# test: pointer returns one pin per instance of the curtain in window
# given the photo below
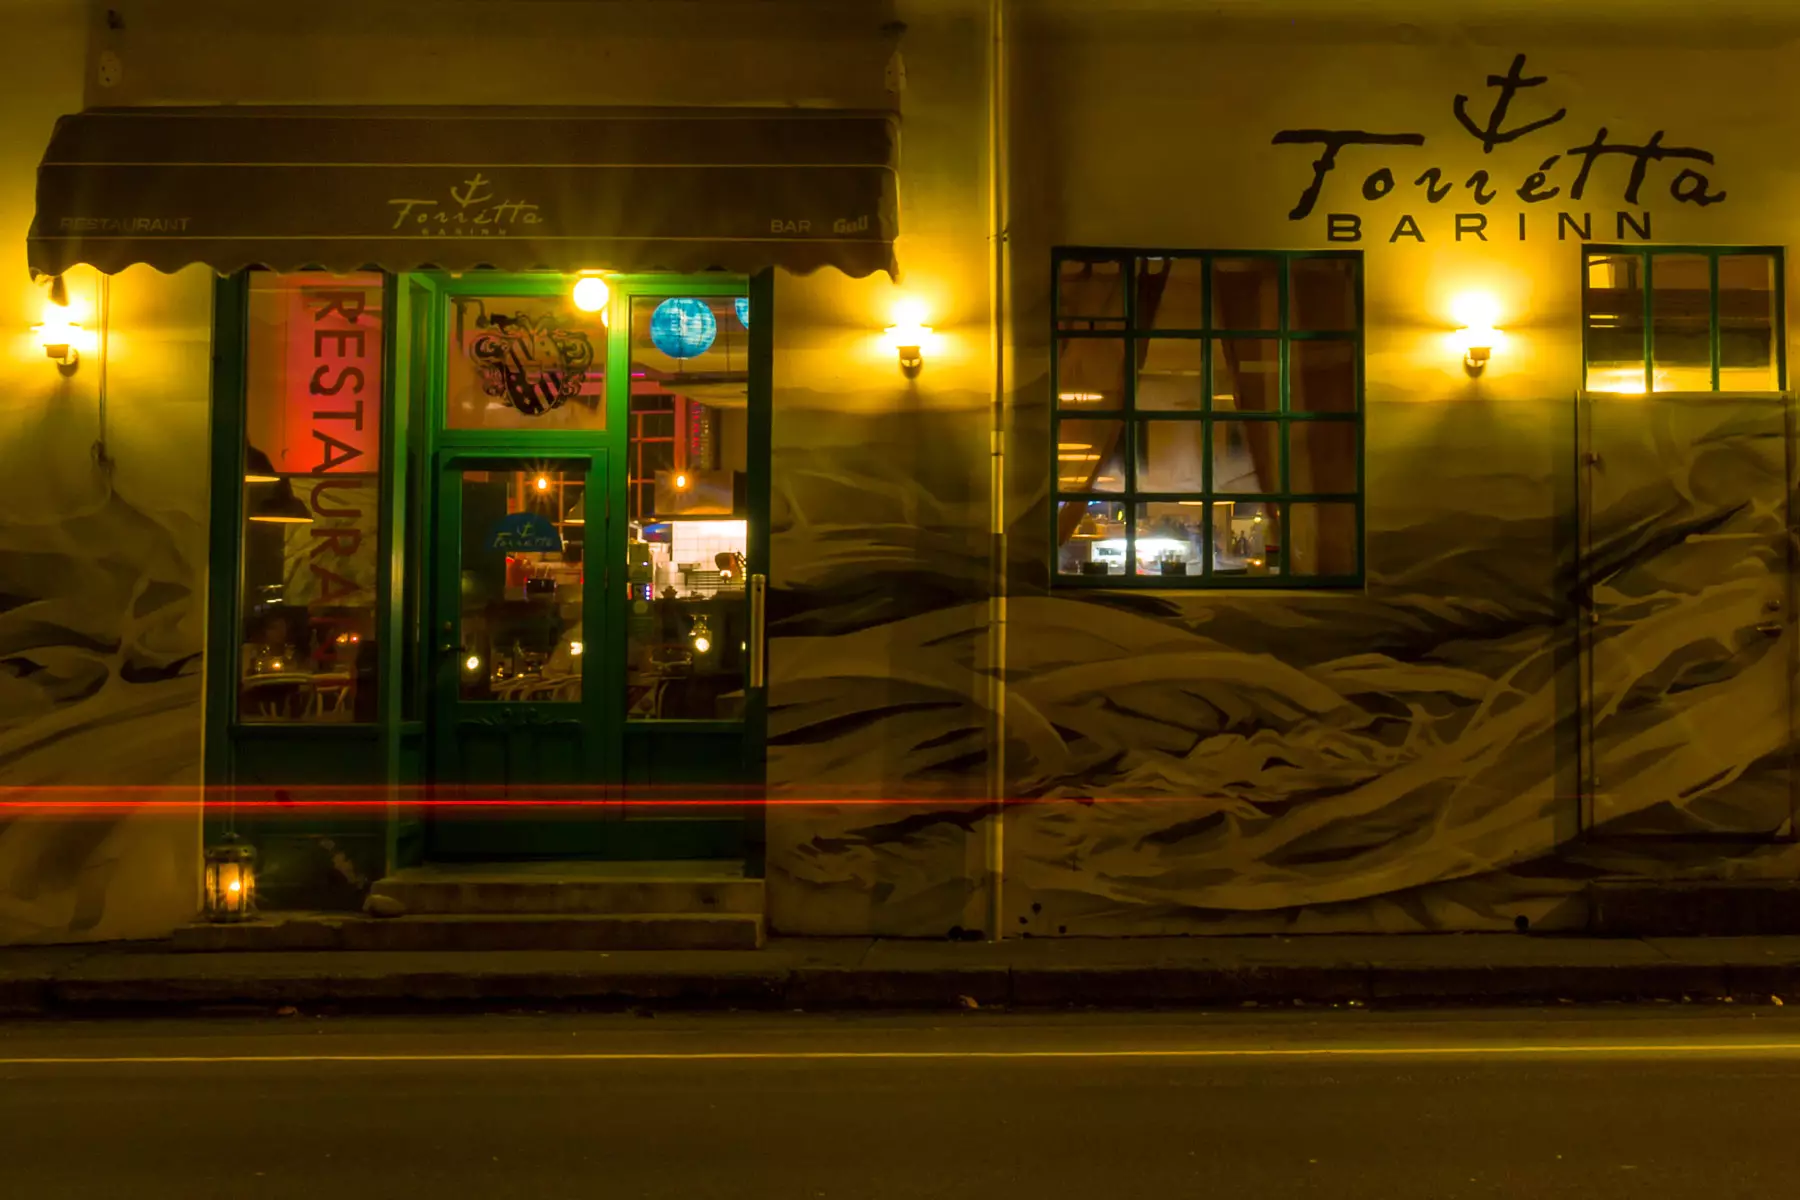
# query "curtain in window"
(1075, 354)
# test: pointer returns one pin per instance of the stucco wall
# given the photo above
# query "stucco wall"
(1406, 756)
(102, 564)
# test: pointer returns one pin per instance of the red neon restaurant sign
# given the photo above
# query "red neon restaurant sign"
(325, 430)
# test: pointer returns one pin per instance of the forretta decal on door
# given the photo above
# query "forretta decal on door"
(1563, 175)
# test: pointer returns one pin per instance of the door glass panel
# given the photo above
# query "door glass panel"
(1681, 322)
(312, 498)
(1747, 289)
(524, 362)
(1615, 323)
(687, 619)
(521, 583)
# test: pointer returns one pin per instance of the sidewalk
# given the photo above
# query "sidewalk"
(864, 973)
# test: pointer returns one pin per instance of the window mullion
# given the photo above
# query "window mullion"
(1712, 289)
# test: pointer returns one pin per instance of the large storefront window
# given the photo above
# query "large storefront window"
(312, 475)
(1683, 320)
(687, 453)
(1208, 418)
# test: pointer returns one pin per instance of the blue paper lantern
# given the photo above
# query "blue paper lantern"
(742, 304)
(683, 327)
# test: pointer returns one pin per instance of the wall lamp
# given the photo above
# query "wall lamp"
(60, 335)
(591, 292)
(1475, 313)
(909, 336)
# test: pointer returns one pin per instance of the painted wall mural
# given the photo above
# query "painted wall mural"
(100, 687)
(1407, 759)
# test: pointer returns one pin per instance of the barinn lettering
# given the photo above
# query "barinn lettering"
(1565, 173)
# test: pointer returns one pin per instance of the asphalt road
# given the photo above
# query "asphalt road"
(1638, 1102)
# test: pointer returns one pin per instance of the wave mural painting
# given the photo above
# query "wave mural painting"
(1408, 759)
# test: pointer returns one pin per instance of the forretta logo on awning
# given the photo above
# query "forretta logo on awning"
(1483, 187)
(473, 208)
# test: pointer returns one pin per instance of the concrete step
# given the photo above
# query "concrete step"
(528, 931)
(674, 889)
(1693, 908)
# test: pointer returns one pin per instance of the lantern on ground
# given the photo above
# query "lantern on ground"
(230, 879)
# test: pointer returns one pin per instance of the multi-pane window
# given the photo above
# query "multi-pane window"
(312, 497)
(1208, 418)
(1683, 319)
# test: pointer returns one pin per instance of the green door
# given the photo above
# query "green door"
(596, 546)
(522, 757)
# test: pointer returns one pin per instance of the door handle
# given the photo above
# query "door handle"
(759, 592)
(1770, 628)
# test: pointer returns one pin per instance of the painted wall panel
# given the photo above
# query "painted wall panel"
(102, 563)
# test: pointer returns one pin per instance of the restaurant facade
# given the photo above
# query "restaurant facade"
(949, 467)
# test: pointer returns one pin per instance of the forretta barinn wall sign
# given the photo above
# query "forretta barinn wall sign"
(1551, 200)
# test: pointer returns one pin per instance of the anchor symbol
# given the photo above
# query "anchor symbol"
(466, 196)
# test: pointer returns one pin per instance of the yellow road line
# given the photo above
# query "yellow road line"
(1562, 1050)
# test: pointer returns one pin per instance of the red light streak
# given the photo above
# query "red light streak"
(78, 801)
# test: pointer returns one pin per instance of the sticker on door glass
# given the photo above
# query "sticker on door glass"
(524, 532)
(529, 362)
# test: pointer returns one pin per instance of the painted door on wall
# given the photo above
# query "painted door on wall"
(1688, 639)
(521, 753)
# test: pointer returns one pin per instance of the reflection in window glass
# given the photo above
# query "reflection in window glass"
(1171, 538)
(1715, 320)
(1747, 323)
(1246, 375)
(1090, 294)
(687, 621)
(1246, 293)
(1681, 322)
(1246, 538)
(1322, 539)
(1615, 323)
(312, 472)
(1090, 374)
(1169, 293)
(1322, 294)
(1322, 376)
(524, 362)
(1246, 456)
(1171, 456)
(1169, 375)
(1322, 457)
(1090, 456)
(522, 581)
(1091, 538)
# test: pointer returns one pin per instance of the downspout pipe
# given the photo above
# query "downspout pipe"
(997, 167)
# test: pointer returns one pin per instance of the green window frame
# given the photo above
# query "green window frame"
(1738, 324)
(1290, 429)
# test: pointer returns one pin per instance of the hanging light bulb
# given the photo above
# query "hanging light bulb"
(543, 483)
(591, 293)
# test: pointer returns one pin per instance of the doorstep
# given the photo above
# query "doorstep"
(477, 932)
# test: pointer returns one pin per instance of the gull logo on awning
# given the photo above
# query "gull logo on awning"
(474, 210)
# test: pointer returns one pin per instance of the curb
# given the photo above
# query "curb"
(844, 988)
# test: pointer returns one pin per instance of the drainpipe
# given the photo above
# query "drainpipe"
(997, 568)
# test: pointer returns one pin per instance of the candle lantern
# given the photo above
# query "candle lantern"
(230, 880)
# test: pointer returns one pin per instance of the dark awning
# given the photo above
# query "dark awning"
(458, 189)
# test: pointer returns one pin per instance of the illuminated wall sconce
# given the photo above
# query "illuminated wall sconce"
(909, 336)
(60, 334)
(1475, 313)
